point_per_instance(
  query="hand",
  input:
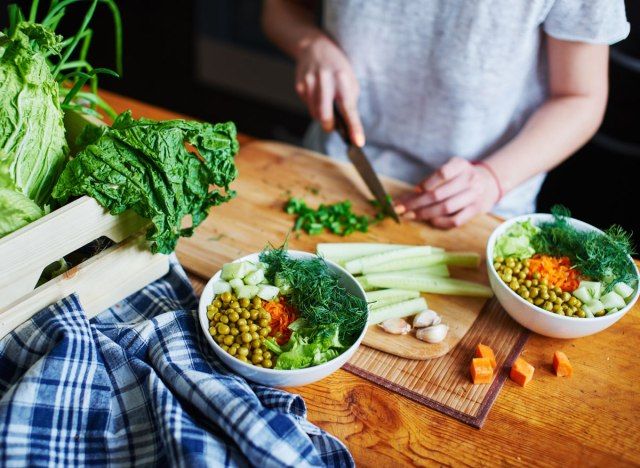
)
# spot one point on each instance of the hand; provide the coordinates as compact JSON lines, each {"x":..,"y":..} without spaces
{"x":453,"y":195}
{"x":324,"y":74}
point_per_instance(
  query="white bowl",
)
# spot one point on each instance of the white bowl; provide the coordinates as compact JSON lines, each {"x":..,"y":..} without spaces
{"x":537,"y":319}
{"x":273,"y":377}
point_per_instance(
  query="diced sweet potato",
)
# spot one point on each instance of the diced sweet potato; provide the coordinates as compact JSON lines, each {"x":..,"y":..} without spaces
{"x":521,"y":372}
{"x":483,"y":351}
{"x":561,"y":364}
{"x":481,"y":371}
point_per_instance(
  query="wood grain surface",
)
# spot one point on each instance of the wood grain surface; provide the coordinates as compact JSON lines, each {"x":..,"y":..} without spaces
{"x":591,"y":419}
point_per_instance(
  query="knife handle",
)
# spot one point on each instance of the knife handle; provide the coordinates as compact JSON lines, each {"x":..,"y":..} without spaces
{"x":341,"y":125}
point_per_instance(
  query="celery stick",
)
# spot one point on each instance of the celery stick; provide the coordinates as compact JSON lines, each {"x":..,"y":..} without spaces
{"x":401,"y":294}
{"x":358,"y":265}
{"x":401,"y":309}
{"x":365,"y":284}
{"x":429,"y":284}
{"x":464,"y":259}
{"x":341,"y":252}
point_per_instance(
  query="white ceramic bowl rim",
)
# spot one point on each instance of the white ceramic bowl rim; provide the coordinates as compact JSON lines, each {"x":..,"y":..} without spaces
{"x":287,"y":371}
{"x":535,"y":219}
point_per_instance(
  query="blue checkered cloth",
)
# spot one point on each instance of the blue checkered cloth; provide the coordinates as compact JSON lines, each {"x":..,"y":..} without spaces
{"x":139,"y":385}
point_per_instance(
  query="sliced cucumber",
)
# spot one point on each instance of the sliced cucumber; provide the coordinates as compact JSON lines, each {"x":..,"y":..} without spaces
{"x":593,"y":287}
{"x":623,"y":290}
{"x":401,"y":309}
{"x":247,"y":291}
{"x":593,"y":308}
{"x":612,"y":300}
{"x":219,"y":287}
{"x":612,"y":311}
{"x":282,"y":284}
{"x":237,"y":270}
{"x":267,"y":292}
{"x":236,"y":283}
{"x":583,"y":295}
{"x":254,"y":278}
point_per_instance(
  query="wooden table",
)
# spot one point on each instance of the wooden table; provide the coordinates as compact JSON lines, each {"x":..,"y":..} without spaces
{"x":592,"y":419}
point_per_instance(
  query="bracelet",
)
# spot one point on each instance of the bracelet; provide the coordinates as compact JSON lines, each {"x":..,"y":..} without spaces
{"x":494,"y":175}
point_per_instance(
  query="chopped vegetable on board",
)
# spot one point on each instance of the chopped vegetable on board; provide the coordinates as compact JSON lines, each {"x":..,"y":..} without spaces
{"x":561,"y":365}
{"x":521,"y":372}
{"x":481,"y":371}
{"x":484,"y":351}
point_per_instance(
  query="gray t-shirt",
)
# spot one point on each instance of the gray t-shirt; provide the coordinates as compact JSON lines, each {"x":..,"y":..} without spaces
{"x":443,"y":78}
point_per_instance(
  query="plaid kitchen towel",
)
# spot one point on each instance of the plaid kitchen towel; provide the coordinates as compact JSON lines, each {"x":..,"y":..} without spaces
{"x":139,"y":385}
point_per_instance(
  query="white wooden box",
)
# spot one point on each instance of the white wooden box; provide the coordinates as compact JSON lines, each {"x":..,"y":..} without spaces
{"x":100,"y":281}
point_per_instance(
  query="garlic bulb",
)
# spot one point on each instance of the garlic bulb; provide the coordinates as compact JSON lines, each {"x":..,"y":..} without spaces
{"x":433,"y":334}
{"x":426,"y":319}
{"x":396,"y":326}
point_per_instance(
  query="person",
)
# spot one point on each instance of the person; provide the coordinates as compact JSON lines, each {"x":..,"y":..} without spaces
{"x":473,"y":101}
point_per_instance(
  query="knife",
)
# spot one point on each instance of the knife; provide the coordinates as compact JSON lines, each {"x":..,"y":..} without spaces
{"x":363,"y":166}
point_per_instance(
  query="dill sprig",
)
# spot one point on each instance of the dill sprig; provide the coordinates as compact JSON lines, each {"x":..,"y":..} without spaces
{"x":316,"y":293}
{"x":601,"y":257}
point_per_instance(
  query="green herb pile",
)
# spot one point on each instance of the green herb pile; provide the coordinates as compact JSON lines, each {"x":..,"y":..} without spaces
{"x":602,"y":257}
{"x":330,"y":320}
{"x":144,"y":165}
{"x":337,"y":218}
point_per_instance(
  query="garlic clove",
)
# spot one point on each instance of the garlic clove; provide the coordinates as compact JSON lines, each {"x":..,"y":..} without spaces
{"x":396,"y":326}
{"x":426,"y":318}
{"x":433,"y":334}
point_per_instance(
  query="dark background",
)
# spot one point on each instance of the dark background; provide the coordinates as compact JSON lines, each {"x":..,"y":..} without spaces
{"x":209,"y":59}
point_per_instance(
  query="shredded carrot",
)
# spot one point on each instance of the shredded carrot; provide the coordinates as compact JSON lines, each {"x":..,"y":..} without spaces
{"x":556,"y":270}
{"x":282,"y":314}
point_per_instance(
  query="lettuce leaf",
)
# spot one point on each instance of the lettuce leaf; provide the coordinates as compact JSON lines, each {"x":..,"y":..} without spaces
{"x":146,"y":166}
{"x":33,"y":149}
{"x":307,"y":346}
{"x":516,"y":241}
{"x":16,"y":211}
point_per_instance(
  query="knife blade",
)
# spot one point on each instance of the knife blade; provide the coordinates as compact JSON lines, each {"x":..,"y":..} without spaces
{"x":364,"y":167}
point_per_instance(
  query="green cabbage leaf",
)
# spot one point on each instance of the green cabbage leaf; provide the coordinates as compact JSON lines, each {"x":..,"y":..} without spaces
{"x":16,"y":211}
{"x":151,"y":167}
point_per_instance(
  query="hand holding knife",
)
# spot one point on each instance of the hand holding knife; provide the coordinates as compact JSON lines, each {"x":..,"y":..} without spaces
{"x":363,"y":166}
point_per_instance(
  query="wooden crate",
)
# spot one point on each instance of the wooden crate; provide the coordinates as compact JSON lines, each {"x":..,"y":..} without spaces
{"x":100,"y":281}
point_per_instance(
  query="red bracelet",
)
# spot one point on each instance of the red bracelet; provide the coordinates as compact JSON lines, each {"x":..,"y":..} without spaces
{"x":495,"y":177}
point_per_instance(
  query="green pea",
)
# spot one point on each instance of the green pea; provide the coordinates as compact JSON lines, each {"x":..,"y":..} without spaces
{"x":538,"y":301}
{"x":510,"y":262}
{"x":253,"y":327}
{"x":225,"y":348}
{"x":263,"y":332}
{"x":545,"y":295}
{"x":213,"y":331}
{"x":224,"y":319}
{"x":255,"y":335}
{"x":225,"y":297}
{"x":223,"y":329}
{"x":268,"y":363}
{"x":245,"y":314}
{"x":536,"y":275}
{"x":499,"y":259}
{"x":246,"y":337}
{"x":552,"y":296}
{"x":497,"y":266}
{"x":243,"y":328}
{"x":256,"y":358}
{"x":556,"y":308}
{"x":235,"y":331}
{"x":233,"y":349}
{"x":264,"y":322}
{"x":525,"y":294}
{"x":228,"y":340}
{"x":244,"y":302}
{"x":514,"y":284}
{"x":243,"y":351}
{"x":255,"y":344}
{"x":507,"y":271}
{"x":211,"y":313}
{"x":522,"y":276}
{"x":506,"y":278}
{"x":566,"y":296}
{"x":256,"y":302}
{"x":534,"y":282}
{"x":243,"y":358}
{"x":548,"y":306}
{"x":527,"y":283}
{"x":534,"y":292}
{"x":234,"y":304}
{"x":257,"y":351}
{"x":254,"y":314}
{"x":234,"y":316}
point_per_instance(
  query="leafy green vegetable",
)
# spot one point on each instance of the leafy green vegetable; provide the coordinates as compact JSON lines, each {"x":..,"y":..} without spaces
{"x":601,"y":257}
{"x":307,"y":346}
{"x":317,"y":294}
{"x":33,"y":149}
{"x":16,"y":211}
{"x":337,"y":218}
{"x":516,"y":241}
{"x":145,"y":166}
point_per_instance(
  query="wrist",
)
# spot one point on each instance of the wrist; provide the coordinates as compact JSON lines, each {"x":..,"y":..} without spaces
{"x":312,"y":39}
{"x":493,"y":176}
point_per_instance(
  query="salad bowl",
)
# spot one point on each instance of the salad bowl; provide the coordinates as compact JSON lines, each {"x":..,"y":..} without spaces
{"x":534,"y":318}
{"x":276,"y":377}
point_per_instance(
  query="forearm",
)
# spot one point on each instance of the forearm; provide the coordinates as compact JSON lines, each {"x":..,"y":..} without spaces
{"x":290,"y":25}
{"x":555,"y":131}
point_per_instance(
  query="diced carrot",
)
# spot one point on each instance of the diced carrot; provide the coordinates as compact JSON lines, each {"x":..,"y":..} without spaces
{"x":561,"y":364}
{"x":483,"y":351}
{"x":521,"y":372}
{"x":481,"y":371}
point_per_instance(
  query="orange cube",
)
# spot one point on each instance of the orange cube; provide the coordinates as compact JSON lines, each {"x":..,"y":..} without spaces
{"x":521,"y":372}
{"x":481,"y":371}
{"x":483,"y":351}
{"x":561,"y":364}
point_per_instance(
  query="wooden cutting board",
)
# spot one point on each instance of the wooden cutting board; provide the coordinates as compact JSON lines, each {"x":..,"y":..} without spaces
{"x":270,"y":173}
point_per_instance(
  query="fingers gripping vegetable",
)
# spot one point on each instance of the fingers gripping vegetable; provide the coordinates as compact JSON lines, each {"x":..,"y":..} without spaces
{"x":144,"y":165}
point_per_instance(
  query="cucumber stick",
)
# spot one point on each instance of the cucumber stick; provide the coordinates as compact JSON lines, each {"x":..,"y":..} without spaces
{"x":361,"y":264}
{"x":387,"y":297}
{"x":429,"y":284}
{"x":400,"y":309}
{"x":464,"y":259}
